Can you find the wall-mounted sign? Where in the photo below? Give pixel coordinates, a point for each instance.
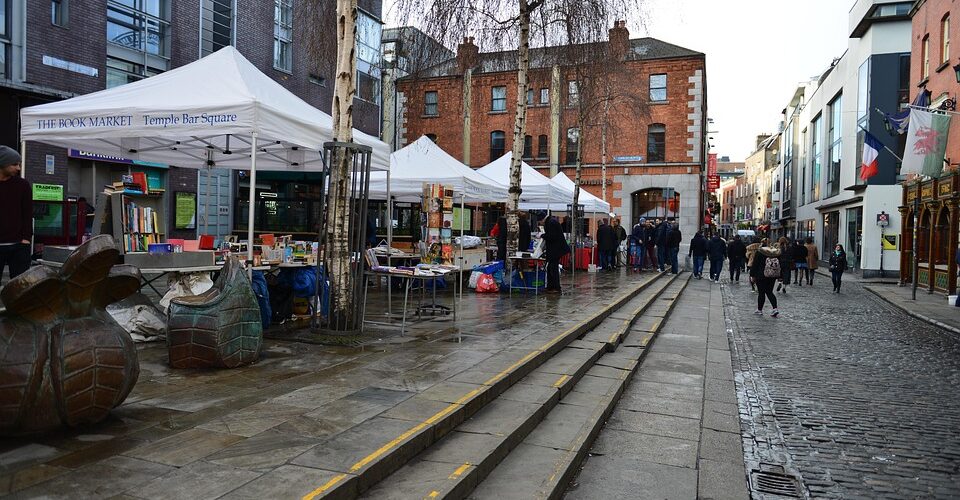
(186, 210)
(712, 164)
(47, 192)
(70, 66)
(50, 164)
(713, 182)
(87, 155)
(890, 241)
(627, 159)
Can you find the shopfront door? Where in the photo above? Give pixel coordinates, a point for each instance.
(831, 232)
(854, 236)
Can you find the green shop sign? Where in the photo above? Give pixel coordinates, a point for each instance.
(47, 192)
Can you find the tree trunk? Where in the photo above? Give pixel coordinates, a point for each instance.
(603, 147)
(338, 229)
(519, 129)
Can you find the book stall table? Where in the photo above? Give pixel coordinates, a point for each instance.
(421, 273)
(160, 272)
(518, 263)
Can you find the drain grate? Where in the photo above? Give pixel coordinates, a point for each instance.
(775, 483)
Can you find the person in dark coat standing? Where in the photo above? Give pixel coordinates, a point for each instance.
(698, 251)
(674, 237)
(786, 263)
(638, 247)
(717, 250)
(500, 232)
(621, 233)
(606, 245)
(838, 264)
(650, 243)
(555, 248)
(660, 240)
(736, 254)
(523, 237)
(16, 223)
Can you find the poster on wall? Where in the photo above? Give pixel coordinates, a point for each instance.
(186, 210)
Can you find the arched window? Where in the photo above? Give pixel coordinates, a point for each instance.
(573, 143)
(497, 144)
(923, 236)
(528, 146)
(941, 236)
(650, 204)
(656, 143)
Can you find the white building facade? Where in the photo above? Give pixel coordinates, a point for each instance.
(822, 194)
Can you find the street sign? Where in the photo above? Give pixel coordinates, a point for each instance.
(627, 159)
(883, 219)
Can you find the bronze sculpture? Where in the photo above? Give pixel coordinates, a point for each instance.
(63, 359)
(220, 328)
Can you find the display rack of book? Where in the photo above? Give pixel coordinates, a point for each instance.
(138, 220)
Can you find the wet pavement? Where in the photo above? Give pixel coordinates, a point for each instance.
(675, 433)
(209, 433)
(846, 394)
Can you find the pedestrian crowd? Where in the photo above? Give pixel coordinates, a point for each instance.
(650, 245)
(772, 266)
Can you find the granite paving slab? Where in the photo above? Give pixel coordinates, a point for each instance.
(184, 447)
(198, 480)
(264, 451)
(293, 481)
(626, 477)
(103, 479)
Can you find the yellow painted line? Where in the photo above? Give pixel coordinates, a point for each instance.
(442, 413)
(561, 380)
(433, 494)
(656, 325)
(460, 470)
(329, 484)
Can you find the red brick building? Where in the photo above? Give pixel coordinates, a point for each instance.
(467, 105)
(936, 26)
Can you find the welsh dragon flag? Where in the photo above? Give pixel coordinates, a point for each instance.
(926, 143)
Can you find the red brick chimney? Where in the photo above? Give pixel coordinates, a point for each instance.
(619, 40)
(467, 53)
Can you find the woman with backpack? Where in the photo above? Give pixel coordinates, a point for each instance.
(799, 262)
(764, 272)
(838, 264)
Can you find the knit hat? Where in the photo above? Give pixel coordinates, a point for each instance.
(9, 156)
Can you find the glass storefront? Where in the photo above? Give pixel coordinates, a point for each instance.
(650, 204)
(854, 237)
(831, 232)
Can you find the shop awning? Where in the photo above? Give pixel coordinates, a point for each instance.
(424, 162)
(208, 110)
(537, 188)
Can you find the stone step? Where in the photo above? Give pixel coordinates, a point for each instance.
(544, 462)
(584, 377)
(613, 329)
(358, 459)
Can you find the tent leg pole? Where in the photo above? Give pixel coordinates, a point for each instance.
(23, 159)
(253, 190)
(463, 215)
(389, 246)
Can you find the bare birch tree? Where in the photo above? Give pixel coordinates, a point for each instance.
(502, 24)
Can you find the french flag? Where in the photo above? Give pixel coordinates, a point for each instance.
(871, 150)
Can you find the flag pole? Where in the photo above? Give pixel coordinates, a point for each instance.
(884, 145)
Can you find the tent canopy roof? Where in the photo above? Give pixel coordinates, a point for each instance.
(206, 110)
(537, 188)
(423, 161)
(590, 202)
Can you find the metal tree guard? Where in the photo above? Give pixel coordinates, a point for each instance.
(354, 213)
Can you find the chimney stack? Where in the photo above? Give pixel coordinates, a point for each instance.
(619, 40)
(467, 53)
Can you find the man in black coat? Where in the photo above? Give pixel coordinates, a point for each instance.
(523, 237)
(555, 247)
(673, 246)
(660, 240)
(606, 244)
(737, 255)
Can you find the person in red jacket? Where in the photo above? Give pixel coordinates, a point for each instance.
(16, 205)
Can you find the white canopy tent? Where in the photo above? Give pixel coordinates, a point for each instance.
(591, 204)
(219, 111)
(537, 188)
(423, 161)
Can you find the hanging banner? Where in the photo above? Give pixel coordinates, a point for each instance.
(713, 182)
(186, 207)
(712, 164)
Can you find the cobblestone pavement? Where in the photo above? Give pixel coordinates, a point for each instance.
(847, 392)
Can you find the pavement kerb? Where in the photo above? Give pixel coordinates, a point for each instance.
(334, 488)
(916, 315)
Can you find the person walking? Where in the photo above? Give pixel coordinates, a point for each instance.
(717, 250)
(16, 223)
(786, 263)
(555, 247)
(764, 272)
(838, 264)
(499, 232)
(698, 252)
(736, 254)
(674, 237)
(799, 262)
(813, 260)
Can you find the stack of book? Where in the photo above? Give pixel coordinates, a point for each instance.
(141, 227)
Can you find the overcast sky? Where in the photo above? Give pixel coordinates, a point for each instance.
(757, 52)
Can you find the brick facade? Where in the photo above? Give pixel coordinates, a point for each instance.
(683, 115)
(941, 80)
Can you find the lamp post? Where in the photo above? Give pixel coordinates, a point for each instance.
(916, 209)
